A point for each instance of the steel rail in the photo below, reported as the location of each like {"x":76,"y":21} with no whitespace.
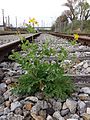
{"x":5,"y":49}
{"x":82,"y":39}
{"x":81,"y":34}
{"x":11,"y":32}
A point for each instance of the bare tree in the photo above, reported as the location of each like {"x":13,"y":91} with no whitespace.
{"x":72,"y":5}
{"x":84,"y":9}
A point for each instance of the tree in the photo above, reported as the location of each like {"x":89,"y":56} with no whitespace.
{"x":78,"y":13}
{"x":84,"y":9}
{"x":78,"y":9}
{"x":71,"y":13}
{"x":60,"y":23}
{"x":68,"y":14}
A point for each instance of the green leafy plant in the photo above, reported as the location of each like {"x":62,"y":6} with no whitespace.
{"x":73,"y":42}
{"x":30,"y":29}
{"x":42,"y":74}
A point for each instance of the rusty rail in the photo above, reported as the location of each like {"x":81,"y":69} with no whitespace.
{"x":81,"y":34}
{"x":82,"y":39}
{"x":12,"y":32}
{"x":6,"y":48}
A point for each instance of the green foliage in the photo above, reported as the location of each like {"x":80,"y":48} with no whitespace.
{"x":73,"y":42}
{"x":42,"y":75}
{"x":75,"y":27}
{"x":30,"y":29}
{"x":76,"y":24}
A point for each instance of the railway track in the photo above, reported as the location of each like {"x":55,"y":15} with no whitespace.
{"x":12,"y":43}
{"x":85,"y":40}
{"x":4,"y":39}
{"x":81,"y":52}
{"x":12,"y":32}
{"x":11,"y":71}
{"x":81,"y":34}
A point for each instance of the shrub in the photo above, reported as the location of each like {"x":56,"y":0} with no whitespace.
{"x":42,"y":74}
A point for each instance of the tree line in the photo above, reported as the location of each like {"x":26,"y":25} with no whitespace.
{"x":78,"y":12}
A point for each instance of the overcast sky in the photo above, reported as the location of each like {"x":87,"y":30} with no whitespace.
{"x":45,"y":11}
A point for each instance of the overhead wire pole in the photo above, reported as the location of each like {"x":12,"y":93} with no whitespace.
{"x":3,"y":17}
{"x":16,"y":21}
{"x":8,"y":21}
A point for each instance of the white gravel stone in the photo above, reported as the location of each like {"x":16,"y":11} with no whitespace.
{"x":31,"y":98}
{"x":7,"y":94}
{"x":49,"y":117}
{"x":72,"y":119}
{"x":81,"y":106}
{"x":64,"y":106}
{"x":2,"y":86}
{"x":88,"y":70}
{"x":15,"y":105}
{"x":71,"y":104}
{"x":85,"y":90}
{"x":6,"y":111}
{"x":85,"y":65}
{"x":58,"y":116}
{"x":57,"y":105}
{"x":88,"y":110}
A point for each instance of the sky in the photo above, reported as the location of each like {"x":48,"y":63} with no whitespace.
{"x":45,"y":11}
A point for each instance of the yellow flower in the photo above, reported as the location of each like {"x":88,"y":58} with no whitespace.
{"x":76,"y":36}
{"x":30,"y":20}
{"x":33,"y":21}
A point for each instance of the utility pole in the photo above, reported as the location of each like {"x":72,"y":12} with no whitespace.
{"x":8,"y":21}
{"x":16,"y":21}
{"x":41,"y":23}
{"x":3,"y":17}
